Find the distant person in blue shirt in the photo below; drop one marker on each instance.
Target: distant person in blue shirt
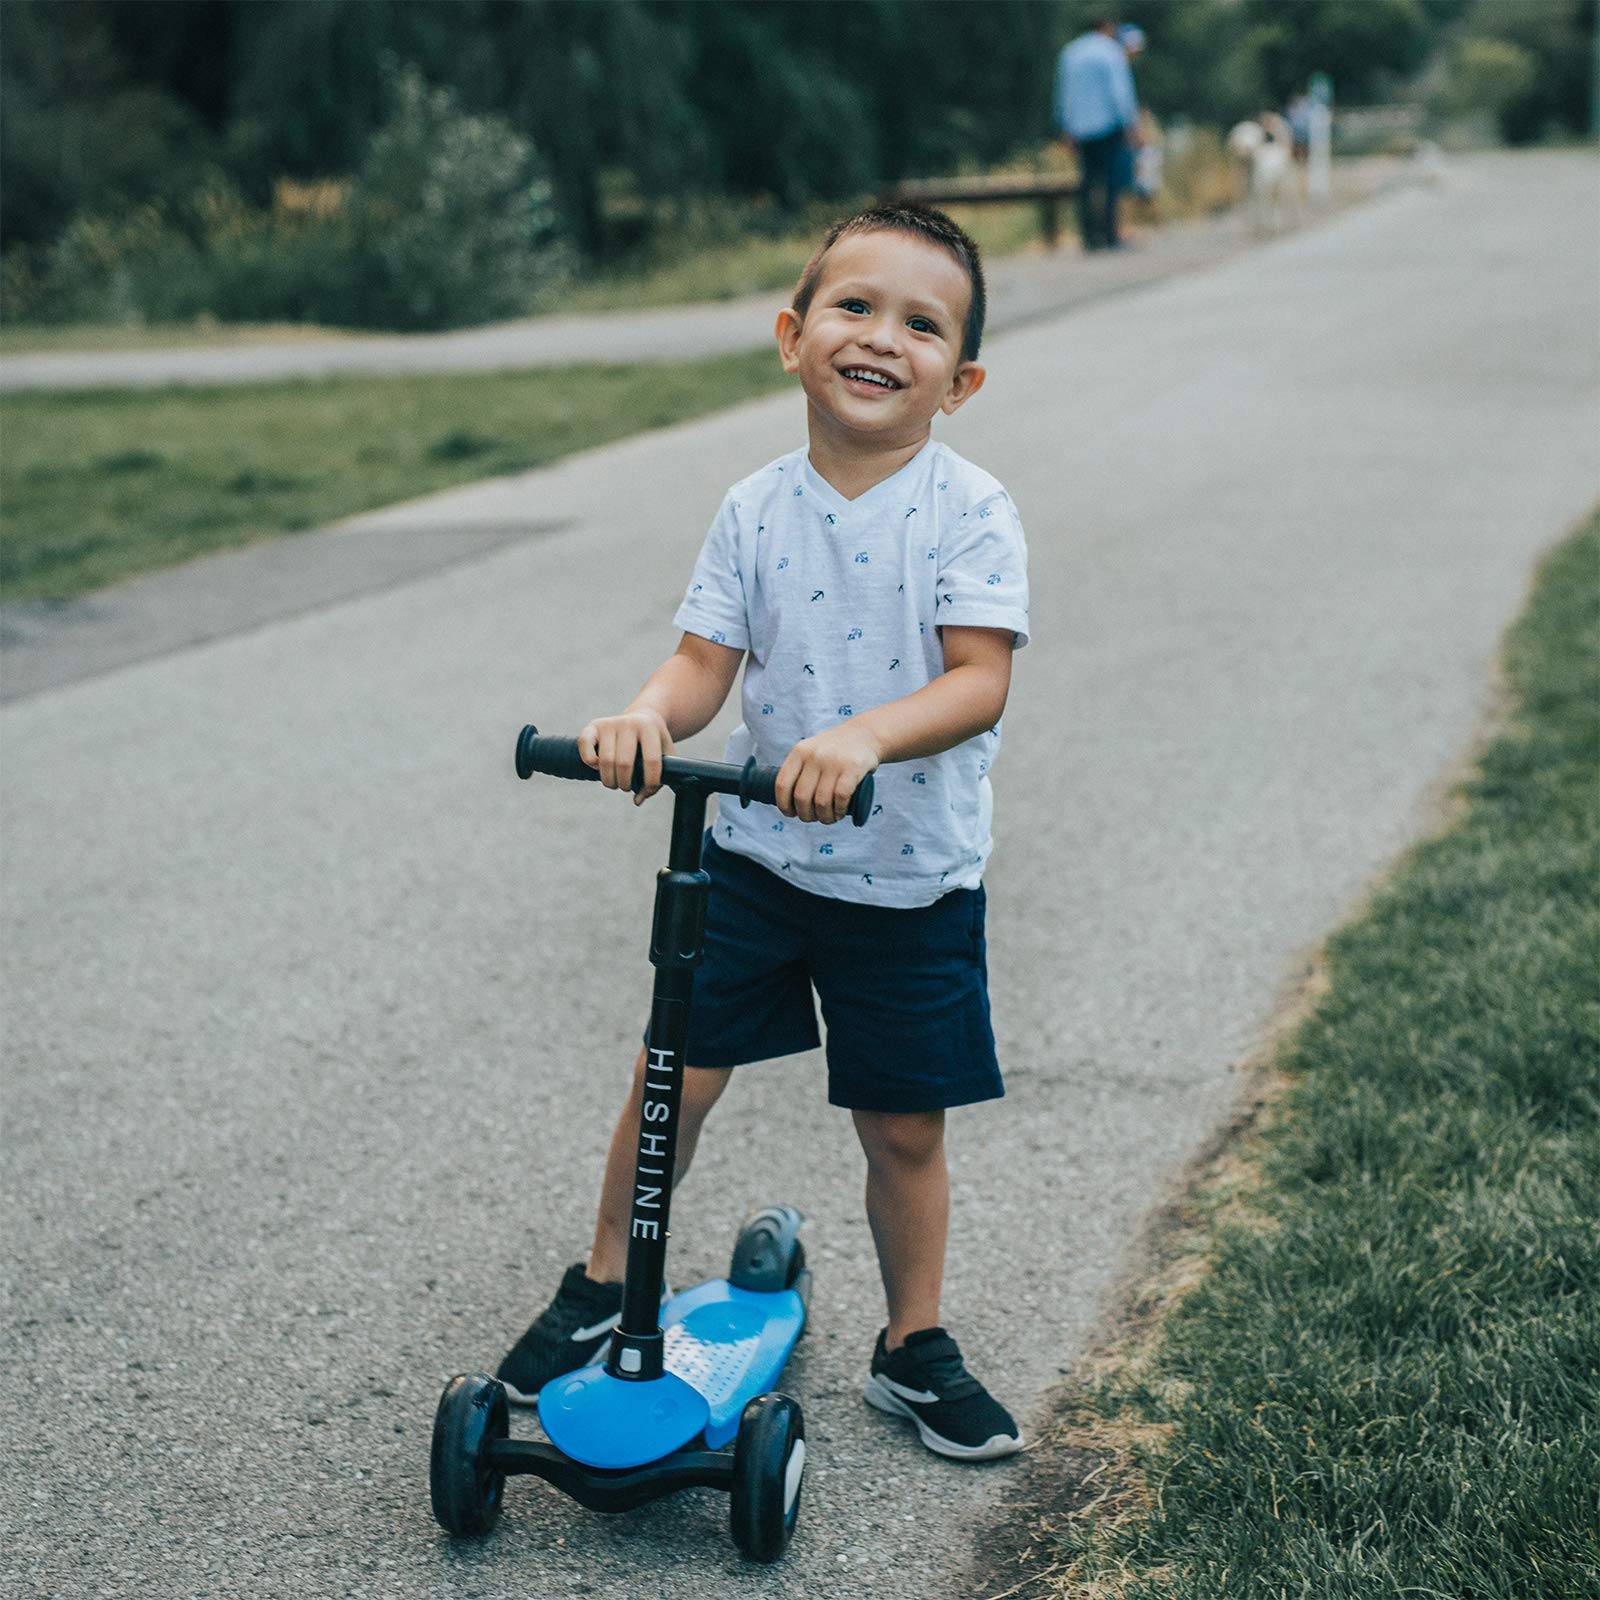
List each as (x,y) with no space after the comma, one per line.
(1097,113)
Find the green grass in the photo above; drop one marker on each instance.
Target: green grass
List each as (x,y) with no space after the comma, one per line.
(1386,1380)
(100,486)
(205,333)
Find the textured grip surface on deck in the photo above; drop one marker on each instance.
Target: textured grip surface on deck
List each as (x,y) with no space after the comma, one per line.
(730,1344)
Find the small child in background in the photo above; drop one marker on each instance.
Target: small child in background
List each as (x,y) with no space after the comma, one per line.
(1148,158)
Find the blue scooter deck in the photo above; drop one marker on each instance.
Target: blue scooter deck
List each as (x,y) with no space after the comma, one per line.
(722,1347)
(730,1344)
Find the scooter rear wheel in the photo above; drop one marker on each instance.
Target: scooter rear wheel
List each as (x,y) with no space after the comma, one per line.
(769,1459)
(467,1491)
(768,1255)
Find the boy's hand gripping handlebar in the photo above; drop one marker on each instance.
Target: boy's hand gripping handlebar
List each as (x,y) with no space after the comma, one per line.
(559,758)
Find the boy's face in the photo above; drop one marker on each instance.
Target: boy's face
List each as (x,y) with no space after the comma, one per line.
(879,350)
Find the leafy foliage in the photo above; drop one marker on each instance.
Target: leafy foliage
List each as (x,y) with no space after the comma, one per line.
(641,112)
(448,221)
(1555,40)
(451,222)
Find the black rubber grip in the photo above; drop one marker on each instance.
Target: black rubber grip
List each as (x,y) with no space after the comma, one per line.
(861,802)
(559,758)
(760,783)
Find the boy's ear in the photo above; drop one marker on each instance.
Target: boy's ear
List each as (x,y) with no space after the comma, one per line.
(966,383)
(787,330)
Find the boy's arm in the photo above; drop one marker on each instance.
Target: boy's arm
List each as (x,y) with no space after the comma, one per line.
(821,773)
(678,699)
(1123,95)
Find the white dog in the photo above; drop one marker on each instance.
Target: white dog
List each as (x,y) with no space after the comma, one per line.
(1264,151)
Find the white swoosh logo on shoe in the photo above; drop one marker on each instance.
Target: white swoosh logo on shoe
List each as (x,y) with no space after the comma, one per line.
(594,1333)
(921,1396)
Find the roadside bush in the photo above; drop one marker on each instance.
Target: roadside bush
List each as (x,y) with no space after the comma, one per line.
(448,221)
(1553,95)
(209,255)
(453,220)
(89,274)
(1483,78)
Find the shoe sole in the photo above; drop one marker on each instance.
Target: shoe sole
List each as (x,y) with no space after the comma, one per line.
(885,1399)
(515,1396)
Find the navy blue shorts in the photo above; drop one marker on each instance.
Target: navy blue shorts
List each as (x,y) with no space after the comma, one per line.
(905,993)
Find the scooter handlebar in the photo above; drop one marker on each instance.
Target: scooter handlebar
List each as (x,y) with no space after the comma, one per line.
(559,758)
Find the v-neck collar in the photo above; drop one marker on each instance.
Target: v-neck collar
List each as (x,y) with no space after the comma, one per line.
(835,502)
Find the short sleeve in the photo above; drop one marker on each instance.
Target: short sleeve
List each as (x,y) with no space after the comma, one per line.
(983,570)
(713,606)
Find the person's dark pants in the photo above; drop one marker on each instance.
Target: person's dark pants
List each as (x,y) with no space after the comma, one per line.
(1099,184)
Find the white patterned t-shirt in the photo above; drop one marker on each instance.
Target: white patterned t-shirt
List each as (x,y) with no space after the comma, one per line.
(839,604)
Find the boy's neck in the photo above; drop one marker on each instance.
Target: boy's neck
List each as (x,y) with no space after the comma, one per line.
(851,467)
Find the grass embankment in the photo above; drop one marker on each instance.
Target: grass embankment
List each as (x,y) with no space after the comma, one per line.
(204,333)
(708,262)
(1384,1376)
(100,486)
(719,250)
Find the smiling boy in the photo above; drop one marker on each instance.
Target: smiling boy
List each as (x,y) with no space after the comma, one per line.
(874,587)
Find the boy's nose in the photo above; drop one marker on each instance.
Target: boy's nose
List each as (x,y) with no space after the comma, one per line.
(882,335)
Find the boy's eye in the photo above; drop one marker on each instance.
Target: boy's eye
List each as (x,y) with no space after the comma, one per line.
(852,305)
(921,325)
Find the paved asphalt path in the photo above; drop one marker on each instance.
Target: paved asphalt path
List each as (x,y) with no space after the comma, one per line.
(316,1018)
(47,643)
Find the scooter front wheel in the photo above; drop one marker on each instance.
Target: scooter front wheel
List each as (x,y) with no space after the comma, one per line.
(467,1491)
(769,1460)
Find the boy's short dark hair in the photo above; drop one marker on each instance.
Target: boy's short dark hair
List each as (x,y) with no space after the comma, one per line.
(922,222)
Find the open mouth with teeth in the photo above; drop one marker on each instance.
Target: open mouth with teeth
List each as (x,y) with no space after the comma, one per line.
(871,379)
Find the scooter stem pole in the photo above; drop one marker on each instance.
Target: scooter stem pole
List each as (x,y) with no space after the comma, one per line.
(680,914)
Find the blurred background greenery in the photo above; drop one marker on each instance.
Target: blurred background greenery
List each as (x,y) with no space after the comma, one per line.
(416,164)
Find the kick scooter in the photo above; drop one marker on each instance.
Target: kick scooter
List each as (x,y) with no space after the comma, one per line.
(680,1380)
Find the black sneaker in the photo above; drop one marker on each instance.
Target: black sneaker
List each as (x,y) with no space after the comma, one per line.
(926,1380)
(567,1334)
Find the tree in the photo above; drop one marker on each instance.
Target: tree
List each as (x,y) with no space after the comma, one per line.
(86,121)
(1364,45)
(1556,38)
